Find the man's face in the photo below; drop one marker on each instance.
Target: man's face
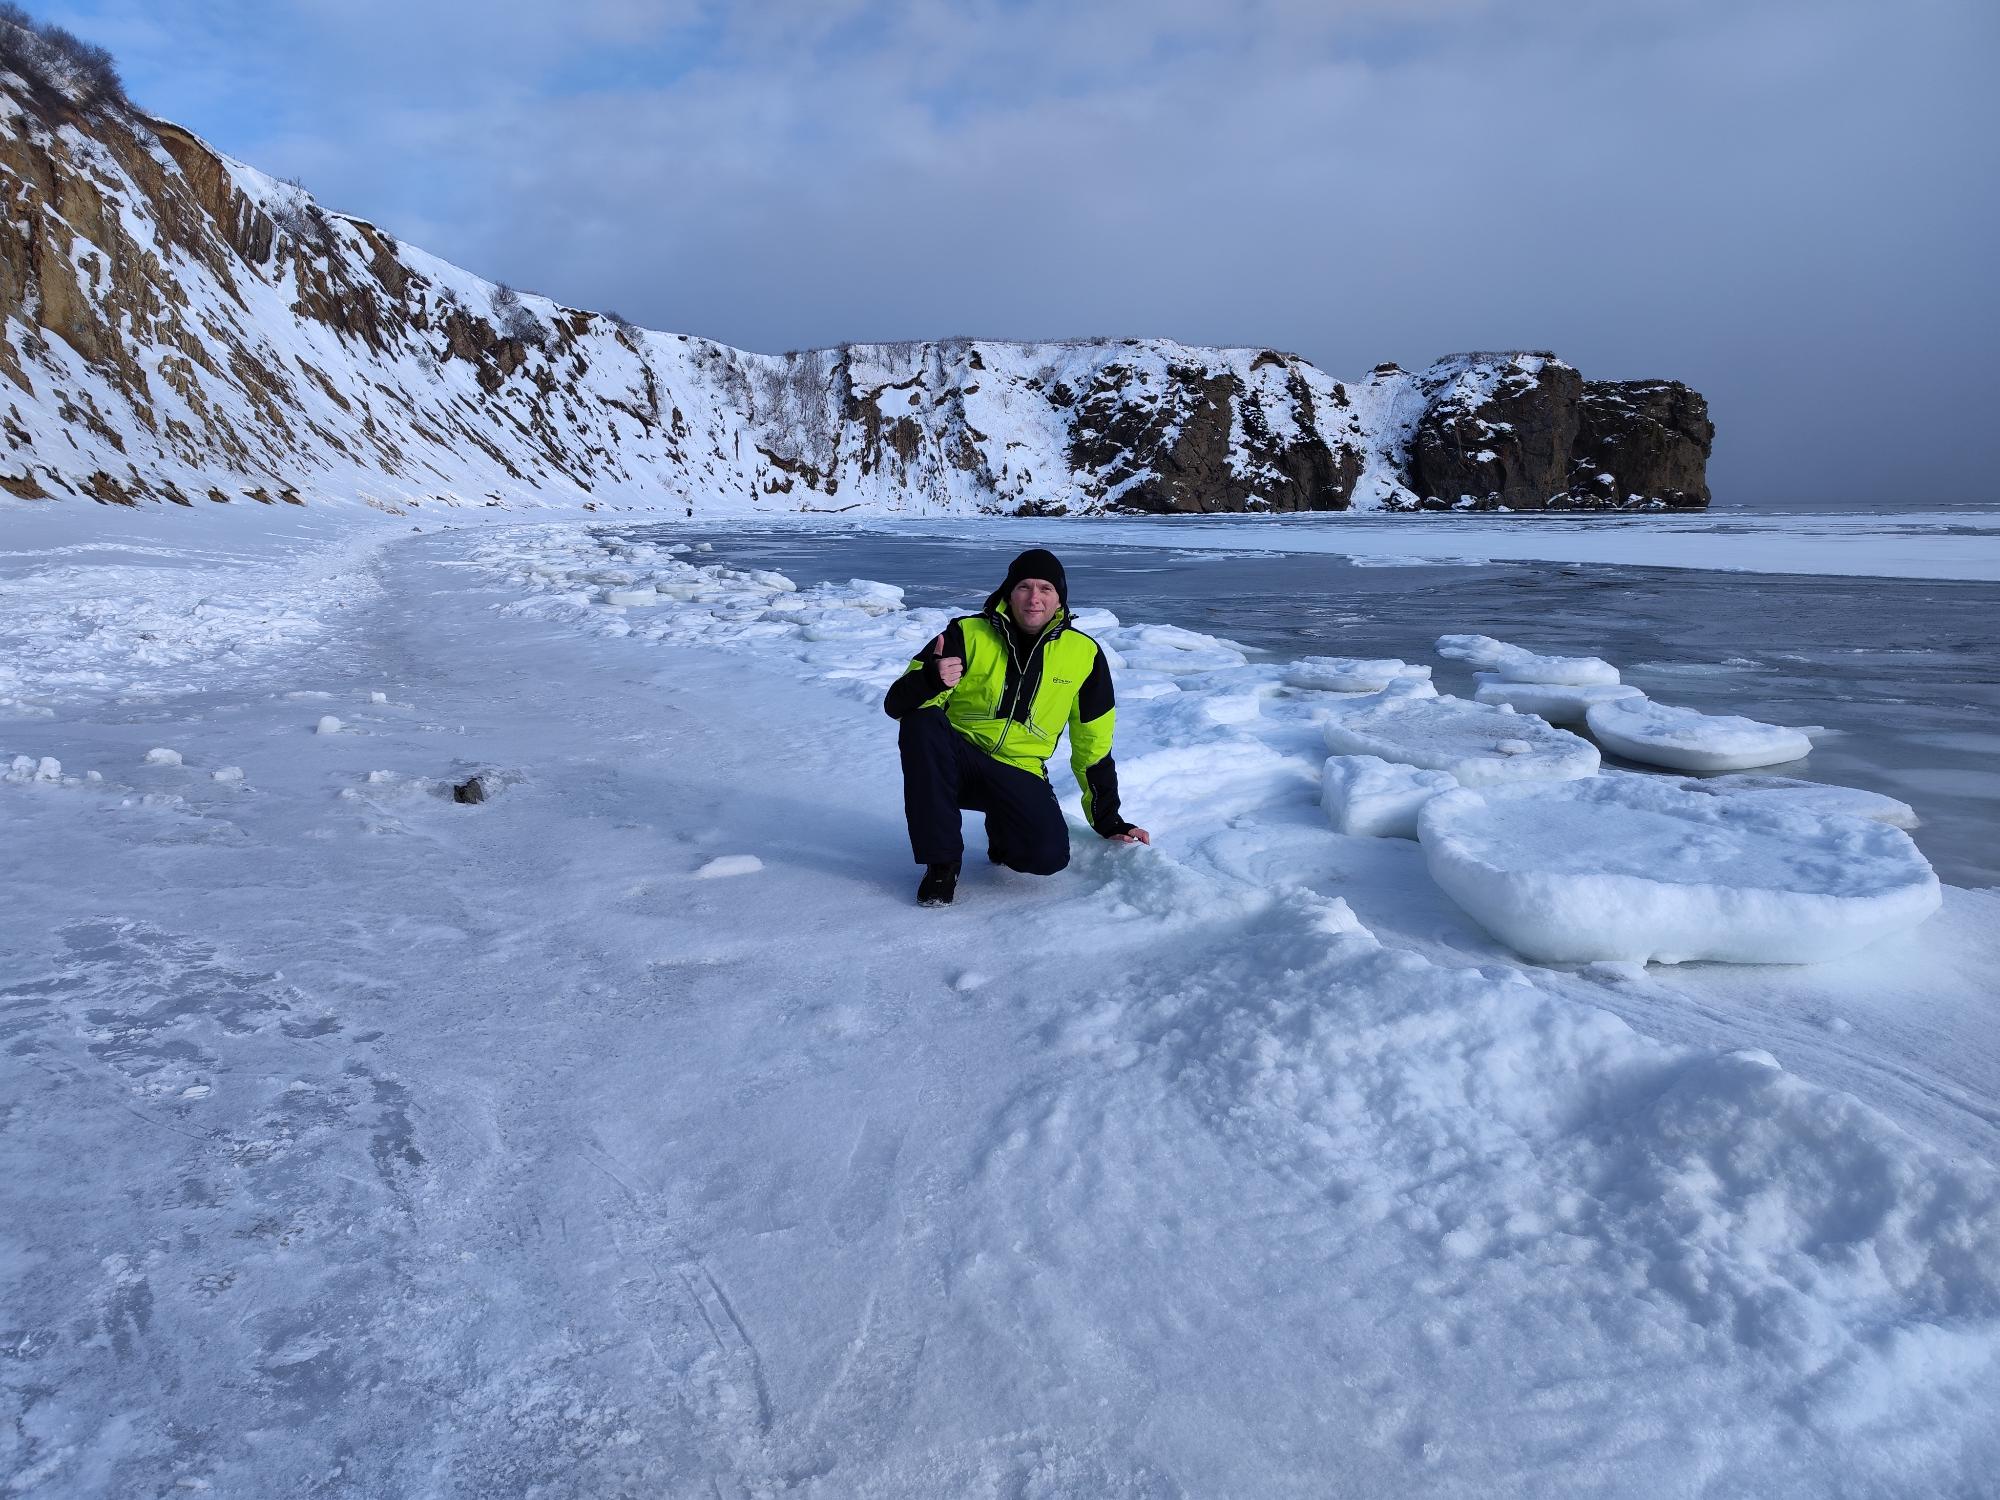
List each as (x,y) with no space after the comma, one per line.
(1032,602)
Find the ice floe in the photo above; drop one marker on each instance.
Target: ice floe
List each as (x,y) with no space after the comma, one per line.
(1168,648)
(1559,703)
(1478,743)
(1369,796)
(1814,796)
(1637,868)
(1686,739)
(1518,664)
(1350,674)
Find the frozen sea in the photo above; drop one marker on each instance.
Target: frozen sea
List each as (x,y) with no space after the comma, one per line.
(1905,671)
(631,1132)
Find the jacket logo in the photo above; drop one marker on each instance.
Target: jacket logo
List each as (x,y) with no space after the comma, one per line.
(1062,681)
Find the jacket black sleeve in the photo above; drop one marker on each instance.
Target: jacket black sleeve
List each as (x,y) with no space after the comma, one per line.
(920,681)
(1090,729)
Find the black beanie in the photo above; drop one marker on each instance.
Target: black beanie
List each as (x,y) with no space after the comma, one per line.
(1037,562)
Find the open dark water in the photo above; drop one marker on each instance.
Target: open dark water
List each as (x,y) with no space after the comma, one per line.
(1907,671)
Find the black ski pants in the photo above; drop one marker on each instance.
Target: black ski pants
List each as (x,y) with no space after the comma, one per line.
(944,772)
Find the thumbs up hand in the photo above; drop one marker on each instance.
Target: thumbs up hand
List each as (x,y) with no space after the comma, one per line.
(949,668)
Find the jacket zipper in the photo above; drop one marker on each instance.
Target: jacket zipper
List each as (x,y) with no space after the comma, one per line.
(1007,633)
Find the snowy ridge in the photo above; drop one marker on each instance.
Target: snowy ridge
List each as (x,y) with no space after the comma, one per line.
(178,326)
(1495,1146)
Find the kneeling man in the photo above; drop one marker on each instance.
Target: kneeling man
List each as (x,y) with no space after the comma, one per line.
(982,707)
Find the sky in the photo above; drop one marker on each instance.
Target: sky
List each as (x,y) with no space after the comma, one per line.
(1792,205)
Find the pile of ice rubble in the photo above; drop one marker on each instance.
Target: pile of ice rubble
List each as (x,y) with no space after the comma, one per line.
(1559,857)
(1563,860)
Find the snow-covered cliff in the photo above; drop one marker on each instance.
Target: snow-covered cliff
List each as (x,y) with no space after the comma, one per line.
(177,326)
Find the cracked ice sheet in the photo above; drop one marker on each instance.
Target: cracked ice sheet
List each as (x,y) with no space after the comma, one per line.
(393,1106)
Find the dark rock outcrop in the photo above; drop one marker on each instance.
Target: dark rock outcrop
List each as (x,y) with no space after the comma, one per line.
(1181,449)
(1527,432)
(1641,442)
(1499,433)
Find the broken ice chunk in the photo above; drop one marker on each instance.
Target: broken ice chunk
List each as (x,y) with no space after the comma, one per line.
(1375,798)
(1517,664)
(1686,739)
(1637,869)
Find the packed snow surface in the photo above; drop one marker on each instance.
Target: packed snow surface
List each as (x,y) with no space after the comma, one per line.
(1518,664)
(1477,743)
(1557,702)
(1637,869)
(360,1142)
(1686,739)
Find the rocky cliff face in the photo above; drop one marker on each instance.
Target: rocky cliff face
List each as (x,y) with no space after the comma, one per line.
(1526,432)
(179,327)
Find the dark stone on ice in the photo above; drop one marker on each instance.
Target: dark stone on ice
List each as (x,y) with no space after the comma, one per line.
(471,790)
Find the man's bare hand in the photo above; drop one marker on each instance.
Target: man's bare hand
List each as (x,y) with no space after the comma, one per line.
(949,668)
(1132,836)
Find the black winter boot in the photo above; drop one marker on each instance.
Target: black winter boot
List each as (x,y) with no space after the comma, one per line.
(939,885)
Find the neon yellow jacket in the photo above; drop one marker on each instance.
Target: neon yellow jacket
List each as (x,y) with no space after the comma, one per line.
(1016,699)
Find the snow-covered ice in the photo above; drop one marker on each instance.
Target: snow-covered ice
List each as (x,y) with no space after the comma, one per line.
(1241,1165)
(1686,739)
(1637,869)
(1477,743)
(1518,664)
(1942,544)
(1170,649)
(1815,796)
(1559,703)
(1350,674)
(1369,796)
